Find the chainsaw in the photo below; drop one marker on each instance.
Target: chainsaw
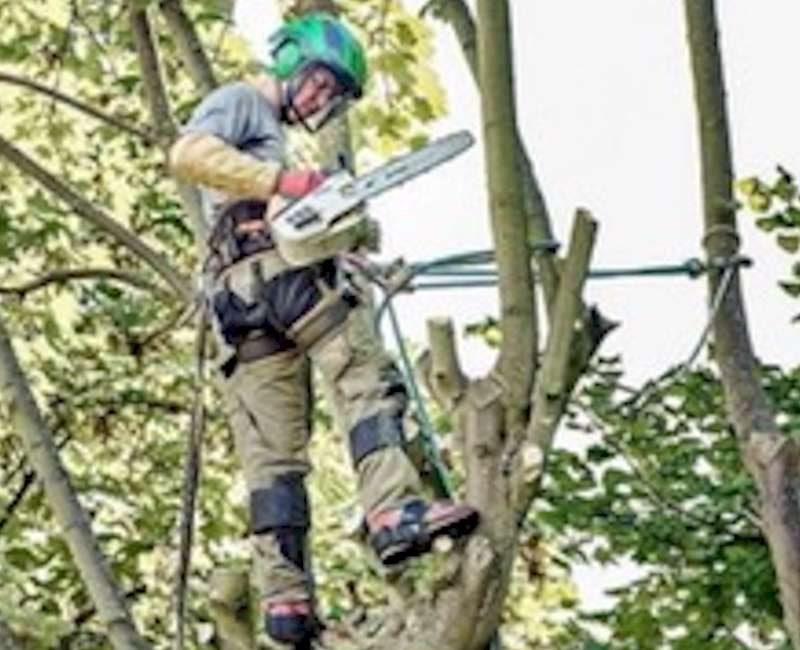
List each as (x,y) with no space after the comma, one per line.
(330,220)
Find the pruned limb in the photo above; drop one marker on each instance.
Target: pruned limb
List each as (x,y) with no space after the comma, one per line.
(65,275)
(552,386)
(444,376)
(117,122)
(230,609)
(189,45)
(70,515)
(96,216)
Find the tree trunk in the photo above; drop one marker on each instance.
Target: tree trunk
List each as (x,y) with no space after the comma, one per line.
(43,457)
(771,456)
(518,350)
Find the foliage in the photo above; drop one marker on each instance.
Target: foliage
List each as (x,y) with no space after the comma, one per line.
(777,205)
(654,478)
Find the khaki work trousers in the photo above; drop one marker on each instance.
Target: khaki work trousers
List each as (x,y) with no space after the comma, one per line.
(269,402)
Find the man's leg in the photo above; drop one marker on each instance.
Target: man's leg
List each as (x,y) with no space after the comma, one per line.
(401,523)
(269,402)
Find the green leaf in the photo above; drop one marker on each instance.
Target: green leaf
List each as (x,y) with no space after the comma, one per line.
(789,243)
(792,288)
(768,224)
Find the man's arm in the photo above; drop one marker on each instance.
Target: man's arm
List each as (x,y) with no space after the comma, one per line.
(207,159)
(208,151)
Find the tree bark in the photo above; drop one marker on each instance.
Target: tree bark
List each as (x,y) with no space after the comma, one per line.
(771,456)
(160,113)
(43,457)
(189,45)
(518,324)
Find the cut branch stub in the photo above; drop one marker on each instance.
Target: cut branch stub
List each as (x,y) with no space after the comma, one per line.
(444,376)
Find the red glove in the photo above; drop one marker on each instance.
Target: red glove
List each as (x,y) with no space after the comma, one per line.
(296,183)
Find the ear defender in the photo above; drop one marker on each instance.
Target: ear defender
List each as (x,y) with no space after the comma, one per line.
(287,57)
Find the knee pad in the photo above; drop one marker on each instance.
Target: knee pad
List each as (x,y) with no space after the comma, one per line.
(282,510)
(382,430)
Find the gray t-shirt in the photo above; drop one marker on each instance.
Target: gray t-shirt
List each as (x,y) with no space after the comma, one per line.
(239,114)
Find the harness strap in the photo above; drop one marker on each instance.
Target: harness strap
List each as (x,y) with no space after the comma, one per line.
(324,317)
(252,349)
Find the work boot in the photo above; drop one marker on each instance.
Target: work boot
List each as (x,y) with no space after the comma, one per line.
(292,622)
(401,532)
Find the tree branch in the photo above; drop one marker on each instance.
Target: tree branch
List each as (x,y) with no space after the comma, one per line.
(458,15)
(65,275)
(442,371)
(97,217)
(161,116)
(771,456)
(28,481)
(518,322)
(43,456)
(147,136)
(189,45)
(151,73)
(191,479)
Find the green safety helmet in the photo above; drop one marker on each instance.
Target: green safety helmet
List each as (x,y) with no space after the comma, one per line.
(318,39)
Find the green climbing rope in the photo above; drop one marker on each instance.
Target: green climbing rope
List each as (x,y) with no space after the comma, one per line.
(475,269)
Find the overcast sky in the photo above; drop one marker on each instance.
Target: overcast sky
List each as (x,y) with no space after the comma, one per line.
(606,110)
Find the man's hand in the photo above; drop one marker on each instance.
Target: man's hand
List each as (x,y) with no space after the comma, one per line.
(296,183)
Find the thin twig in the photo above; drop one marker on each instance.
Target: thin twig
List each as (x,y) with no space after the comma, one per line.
(191,480)
(28,481)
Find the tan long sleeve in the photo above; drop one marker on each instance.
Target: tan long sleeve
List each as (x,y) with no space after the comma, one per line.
(208,160)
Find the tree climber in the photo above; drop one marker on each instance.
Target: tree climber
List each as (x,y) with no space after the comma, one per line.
(273,320)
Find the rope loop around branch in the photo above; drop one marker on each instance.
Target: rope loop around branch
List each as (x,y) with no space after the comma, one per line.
(728,233)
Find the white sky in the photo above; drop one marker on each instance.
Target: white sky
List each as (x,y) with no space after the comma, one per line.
(605,106)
